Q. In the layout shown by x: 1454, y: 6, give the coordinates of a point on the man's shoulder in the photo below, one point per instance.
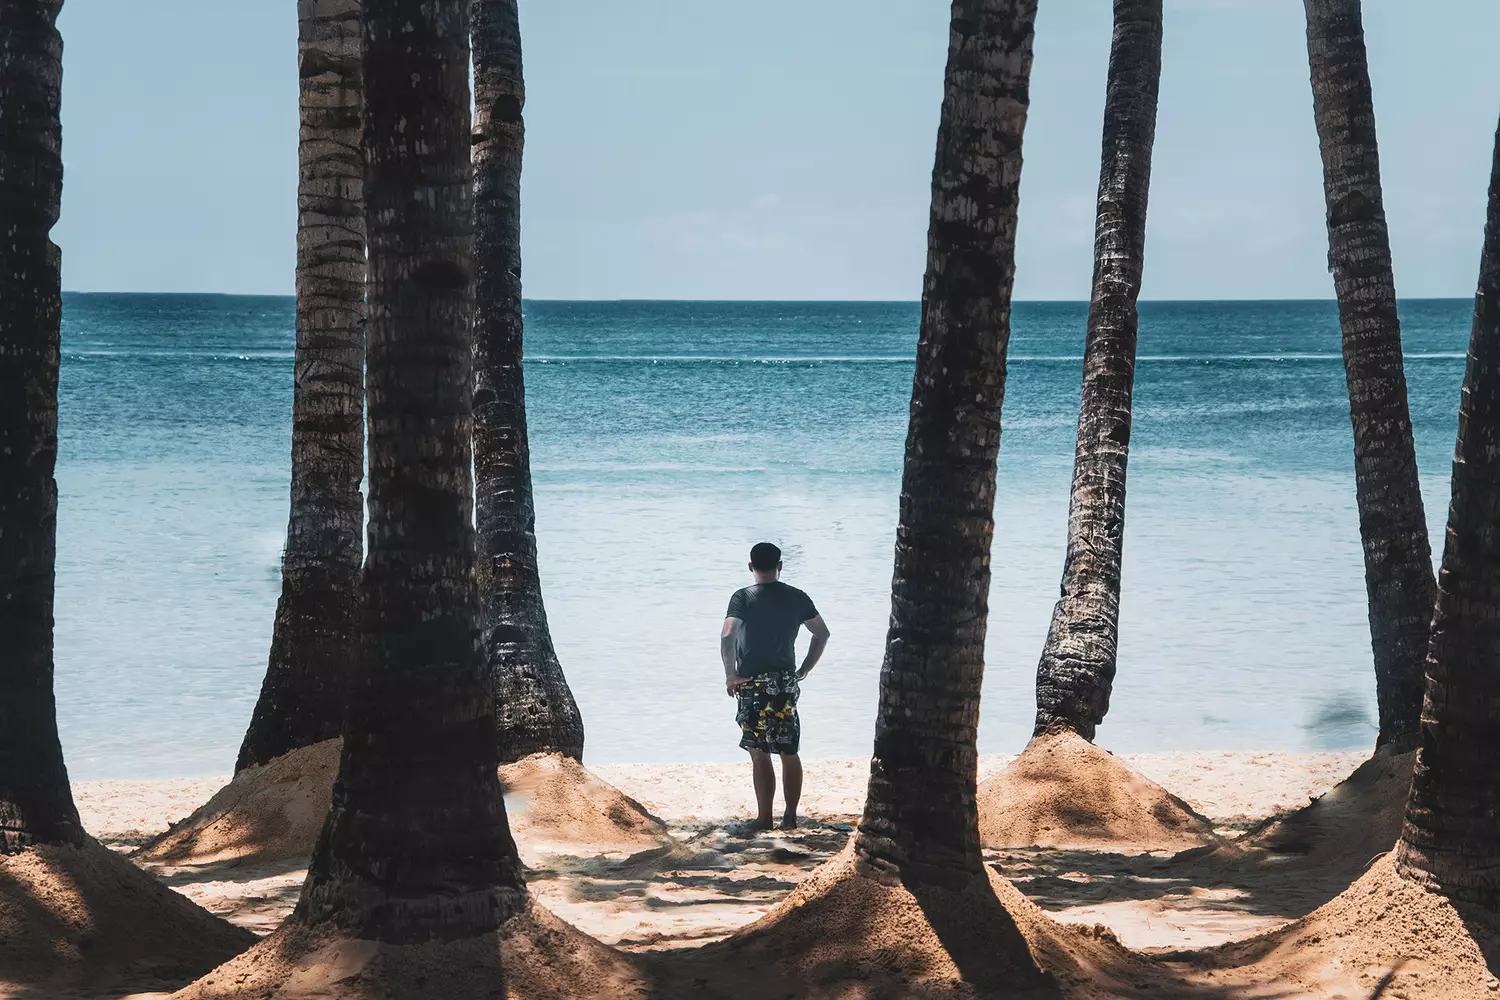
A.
x: 795, y: 596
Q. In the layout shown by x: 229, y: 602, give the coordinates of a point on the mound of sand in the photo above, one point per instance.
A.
x: 555, y: 806
x: 1064, y: 792
x: 1359, y: 819
x: 848, y: 931
x: 266, y: 813
x: 275, y: 811
x: 84, y: 919
x: 1384, y: 936
x: 535, y: 956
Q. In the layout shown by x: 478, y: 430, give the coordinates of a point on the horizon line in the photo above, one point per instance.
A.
x: 765, y: 301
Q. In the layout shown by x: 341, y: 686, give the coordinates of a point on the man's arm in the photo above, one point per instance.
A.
x: 729, y: 642
x: 819, y: 630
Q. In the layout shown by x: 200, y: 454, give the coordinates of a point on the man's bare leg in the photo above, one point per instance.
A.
x: 765, y: 788
x: 791, y: 788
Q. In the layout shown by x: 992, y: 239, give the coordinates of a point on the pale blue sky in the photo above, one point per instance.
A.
x: 782, y: 149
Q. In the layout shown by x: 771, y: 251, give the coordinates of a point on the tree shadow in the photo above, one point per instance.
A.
x: 981, y: 937
x: 1227, y: 878
x: 996, y: 959
x: 85, y: 920
x: 1484, y: 930
x: 1386, y: 980
x: 227, y: 870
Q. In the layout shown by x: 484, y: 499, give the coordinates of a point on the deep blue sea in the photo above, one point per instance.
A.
x: 668, y: 437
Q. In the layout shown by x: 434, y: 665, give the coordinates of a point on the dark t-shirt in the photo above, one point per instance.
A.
x: 772, y: 613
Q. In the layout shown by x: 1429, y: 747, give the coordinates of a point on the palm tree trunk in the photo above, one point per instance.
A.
x: 316, y: 638
x: 416, y: 845
x: 534, y: 709
x: 36, y: 802
x: 1392, y: 524
x: 1451, y: 836
x: 920, y: 815
x: 1077, y: 669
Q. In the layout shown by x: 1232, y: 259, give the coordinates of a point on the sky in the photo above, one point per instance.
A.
x: 700, y: 149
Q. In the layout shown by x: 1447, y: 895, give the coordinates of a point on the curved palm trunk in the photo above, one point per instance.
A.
x: 416, y: 845
x: 1451, y: 835
x: 920, y: 815
x: 1077, y: 669
x: 1392, y: 524
x: 316, y: 638
x: 36, y: 802
x: 534, y: 709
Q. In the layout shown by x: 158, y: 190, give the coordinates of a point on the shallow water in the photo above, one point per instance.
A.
x: 668, y: 437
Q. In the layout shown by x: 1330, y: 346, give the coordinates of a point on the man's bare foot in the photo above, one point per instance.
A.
x: 789, y: 822
x: 759, y: 823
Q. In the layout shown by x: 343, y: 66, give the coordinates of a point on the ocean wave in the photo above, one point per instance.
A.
x: 645, y: 467
x: 200, y: 355
x: 910, y: 358
x: 879, y: 359
x: 723, y: 358
x: 1288, y: 356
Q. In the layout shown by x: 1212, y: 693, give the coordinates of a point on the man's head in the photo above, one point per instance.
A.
x: 765, y: 562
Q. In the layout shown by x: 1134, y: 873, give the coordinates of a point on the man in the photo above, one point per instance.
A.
x: 759, y: 648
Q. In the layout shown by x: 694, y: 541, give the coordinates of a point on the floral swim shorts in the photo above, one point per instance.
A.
x: 768, y: 713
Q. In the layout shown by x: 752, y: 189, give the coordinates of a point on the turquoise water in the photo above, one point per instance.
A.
x: 669, y: 436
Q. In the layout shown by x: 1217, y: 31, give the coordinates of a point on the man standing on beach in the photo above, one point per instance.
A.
x: 759, y: 648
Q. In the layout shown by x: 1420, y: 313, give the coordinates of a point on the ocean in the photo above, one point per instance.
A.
x: 667, y: 437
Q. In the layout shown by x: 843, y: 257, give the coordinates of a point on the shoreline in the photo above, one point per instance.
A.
x: 1232, y: 788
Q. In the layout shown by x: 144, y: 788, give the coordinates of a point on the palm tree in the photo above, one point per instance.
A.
x: 1077, y: 669
x: 40, y: 832
x: 920, y: 816
x: 315, y: 642
x: 1392, y: 524
x: 913, y: 880
x: 535, y: 710
x: 415, y: 871
x: 1452, y: 827
x: 416, y: 845
x: 36, y: 801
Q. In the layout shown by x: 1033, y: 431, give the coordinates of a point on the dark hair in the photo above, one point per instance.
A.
x: 765, y: 557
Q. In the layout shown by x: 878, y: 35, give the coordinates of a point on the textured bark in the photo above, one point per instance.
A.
x: 1077, y: 668
x: 36, y: 802
x: 1451, y: 836
x: 1392, y: 524
x: 416, y: 846
x: 534, y: 709
x: 316, y: 638
x: 920, y: 815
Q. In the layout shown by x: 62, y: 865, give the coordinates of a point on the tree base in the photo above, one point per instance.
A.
x: 1383, y: 936
x: 557, y: 807
x: 84, y: 919
x: 534, y: 956
x: 850, y: 931
x: 1358, y: 820
x: 275, y: 812
x: 267, y: 813
x: 1063, y: 792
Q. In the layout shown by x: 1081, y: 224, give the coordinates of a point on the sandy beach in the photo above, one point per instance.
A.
x: 708, y: 878
x: 1232, y: 788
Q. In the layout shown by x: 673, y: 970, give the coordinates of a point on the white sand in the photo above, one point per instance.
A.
x: 1229, y: 788
x: 126, y: 814
x: 716, y: 880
